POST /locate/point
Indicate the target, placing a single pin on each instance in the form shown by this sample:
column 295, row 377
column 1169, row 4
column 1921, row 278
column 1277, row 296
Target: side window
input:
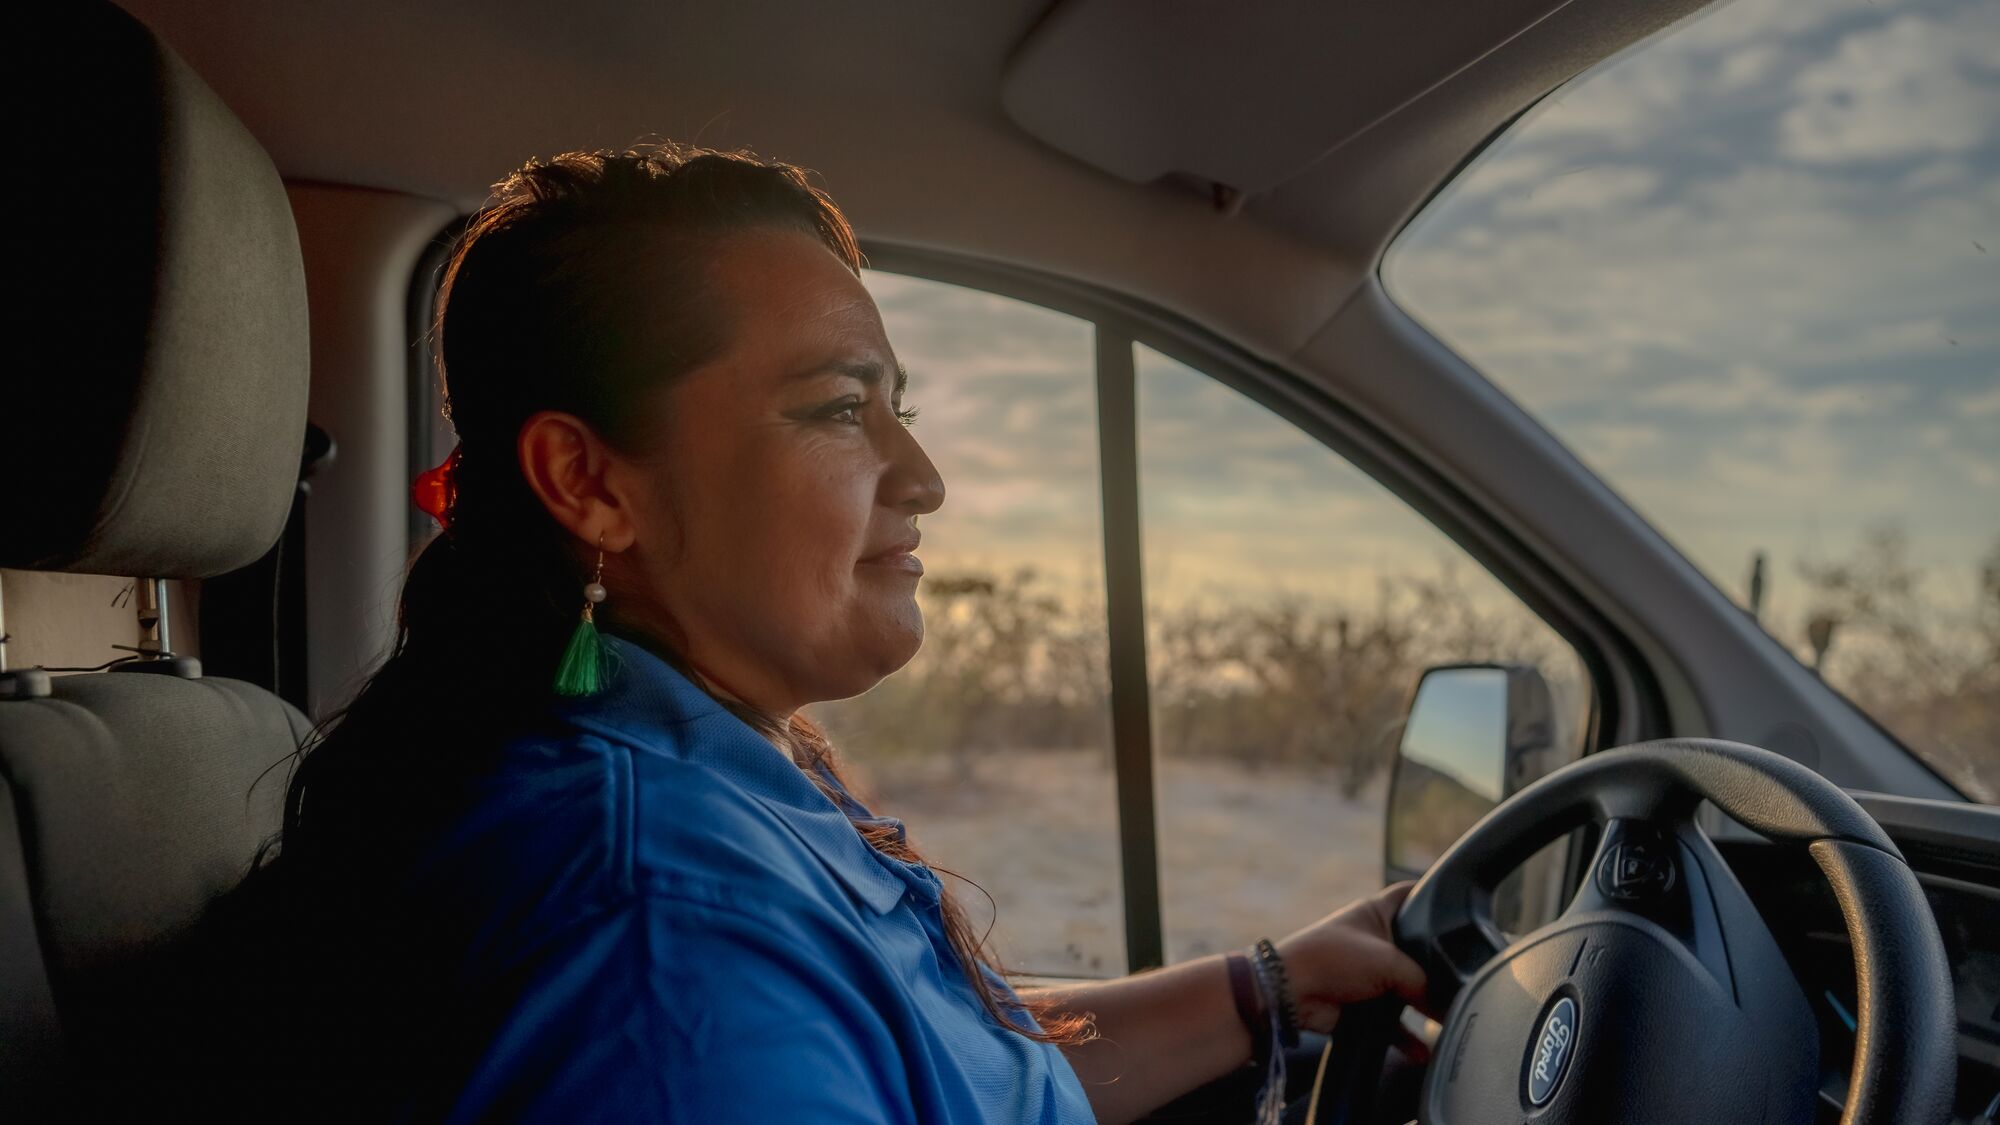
column 1292, row 602
column 994, row 744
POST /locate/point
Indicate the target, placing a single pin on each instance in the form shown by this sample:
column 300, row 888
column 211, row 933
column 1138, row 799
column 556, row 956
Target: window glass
column 1292, row 604
column 1750, row 271
column 994, row 744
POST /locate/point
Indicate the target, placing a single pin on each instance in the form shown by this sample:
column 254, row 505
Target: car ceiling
column 1082, row 138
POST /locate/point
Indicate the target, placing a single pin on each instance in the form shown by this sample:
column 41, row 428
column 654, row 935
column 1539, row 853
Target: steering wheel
column 1659, row 995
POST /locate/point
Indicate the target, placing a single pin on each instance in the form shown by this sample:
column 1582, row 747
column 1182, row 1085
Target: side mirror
column 1476, row 734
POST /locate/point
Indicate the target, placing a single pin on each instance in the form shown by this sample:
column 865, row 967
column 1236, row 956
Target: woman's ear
column 567, row 465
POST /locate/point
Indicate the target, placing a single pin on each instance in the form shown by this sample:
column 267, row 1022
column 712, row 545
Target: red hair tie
column 436, row 490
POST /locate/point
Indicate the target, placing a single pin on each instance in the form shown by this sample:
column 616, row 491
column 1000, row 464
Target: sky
column 1750, row 272
column 1458, row 727
column 1006, row 397
column 1237, row 504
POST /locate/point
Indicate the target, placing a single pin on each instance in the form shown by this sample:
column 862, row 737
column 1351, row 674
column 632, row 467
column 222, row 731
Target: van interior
column 1804, row 930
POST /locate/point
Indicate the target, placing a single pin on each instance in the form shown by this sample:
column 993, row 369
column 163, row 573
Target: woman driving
column 580, row 854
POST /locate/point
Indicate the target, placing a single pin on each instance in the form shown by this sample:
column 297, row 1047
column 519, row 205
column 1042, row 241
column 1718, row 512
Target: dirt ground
column 1244, row 853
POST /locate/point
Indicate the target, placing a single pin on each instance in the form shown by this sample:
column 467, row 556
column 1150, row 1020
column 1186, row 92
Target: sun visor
column 1243, row 95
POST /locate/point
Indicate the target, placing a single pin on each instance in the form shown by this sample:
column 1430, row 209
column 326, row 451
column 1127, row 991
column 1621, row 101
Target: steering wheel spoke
column 1670, row 877
column 1467, row 949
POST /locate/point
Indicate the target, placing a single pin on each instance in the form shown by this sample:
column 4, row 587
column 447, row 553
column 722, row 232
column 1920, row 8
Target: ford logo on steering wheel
column 1550, row 1050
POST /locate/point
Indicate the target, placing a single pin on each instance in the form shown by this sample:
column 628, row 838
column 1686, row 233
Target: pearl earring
column 582, row 670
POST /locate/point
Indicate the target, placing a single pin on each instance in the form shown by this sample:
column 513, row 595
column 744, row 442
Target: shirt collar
column 650, row 703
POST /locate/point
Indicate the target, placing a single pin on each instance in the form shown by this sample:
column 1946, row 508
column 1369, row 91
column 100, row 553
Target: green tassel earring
column 582, row 671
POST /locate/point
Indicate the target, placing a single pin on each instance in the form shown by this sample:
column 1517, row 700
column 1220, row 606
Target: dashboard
column 1955, row 851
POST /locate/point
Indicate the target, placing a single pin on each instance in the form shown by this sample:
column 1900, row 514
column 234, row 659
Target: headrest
column 160, row 435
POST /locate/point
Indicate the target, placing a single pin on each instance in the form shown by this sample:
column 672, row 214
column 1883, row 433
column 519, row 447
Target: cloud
column 1624, row 114
column 1740, row 24
column 1727, row 48
column 1748, row 387
column 1937, row 174
column 1584, row 190
column 1612, row 444
column 1983, row 403
column 1897, row 90
column 1757, row 264
column 1747, row 67
column 1501, row 173
column 1979, row 468
column 1007, row 396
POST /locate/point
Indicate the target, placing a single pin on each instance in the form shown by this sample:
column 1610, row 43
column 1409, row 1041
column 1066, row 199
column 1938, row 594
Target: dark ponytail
column 581, row 288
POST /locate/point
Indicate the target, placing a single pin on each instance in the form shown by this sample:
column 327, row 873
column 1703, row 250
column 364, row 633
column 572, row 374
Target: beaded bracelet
column 1278, row 987
column 1278, row 1031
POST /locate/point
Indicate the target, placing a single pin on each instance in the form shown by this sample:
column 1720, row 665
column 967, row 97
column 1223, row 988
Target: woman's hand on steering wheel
column 1349, row 957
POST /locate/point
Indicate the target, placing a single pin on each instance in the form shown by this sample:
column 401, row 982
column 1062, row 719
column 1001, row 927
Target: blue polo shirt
column 670, row 923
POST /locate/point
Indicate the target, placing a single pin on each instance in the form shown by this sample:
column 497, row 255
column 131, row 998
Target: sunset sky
column 1237, row 503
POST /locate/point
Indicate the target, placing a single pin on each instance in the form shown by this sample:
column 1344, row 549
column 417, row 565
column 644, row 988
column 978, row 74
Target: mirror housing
column 1475, row 735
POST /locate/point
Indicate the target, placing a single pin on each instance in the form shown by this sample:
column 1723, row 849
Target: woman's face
column 777, row 525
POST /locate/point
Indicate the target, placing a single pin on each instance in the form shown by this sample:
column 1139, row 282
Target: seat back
column 168, row 449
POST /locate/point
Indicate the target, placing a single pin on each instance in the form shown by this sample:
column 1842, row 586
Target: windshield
column 1750, row 272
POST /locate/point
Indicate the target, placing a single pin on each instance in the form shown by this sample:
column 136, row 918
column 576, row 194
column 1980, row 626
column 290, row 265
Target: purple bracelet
column 1248, row 992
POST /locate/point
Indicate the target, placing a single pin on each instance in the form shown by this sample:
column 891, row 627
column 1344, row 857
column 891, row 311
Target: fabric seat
column 167, row 447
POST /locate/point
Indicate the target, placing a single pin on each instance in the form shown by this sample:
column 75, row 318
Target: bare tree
column 1928, row 672
column 1288, row 681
